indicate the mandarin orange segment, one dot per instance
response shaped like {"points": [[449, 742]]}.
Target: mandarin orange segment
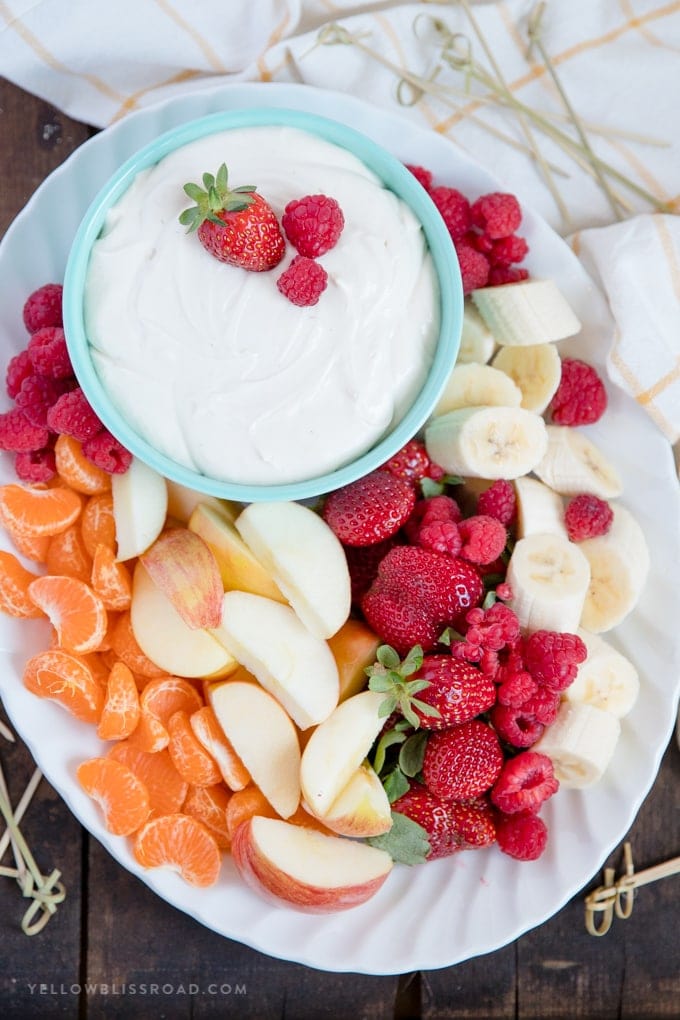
{"points": [[166, 695], [188, 755], [122, 797], [33, 512], [120, 714], [210, 734], [97, 524], [123, 644], [76, 613], [111, 580], [74, 468], [167, 790], [14, 584], [181, 843], [208, 804], [32, 547], [67, 679], [149, 734], [66, 554], [245, 804]]}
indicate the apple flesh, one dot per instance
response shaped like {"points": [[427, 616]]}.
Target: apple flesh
{"points": [[305, 869], [273, 644], [167, 640], [362, 809], [305, 559], [140, 506], [354, 648], [240, 570], [182, 501], [182, 565], [264, 738], [336, 749]]}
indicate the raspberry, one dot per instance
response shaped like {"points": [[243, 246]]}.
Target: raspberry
{"points": [[580, 398], [500, 275], [303, 282], [499, 501], [105, 452], [427, 511], [553, 658], [369, 510], [37, 395], [480, 242], [413, 463], [313, 225], [483, 537], [474, 267], [463, 761], [497, 214], [43, 307], [363, 562], [587, 516], [516, 689], [515, 726], [36, 465], [441, 537], [525, 782], [18, 434], [507, 250], [454, 209], [544, 705], [523, 835], [49, 354], [72, 415], [422, 175], [18, 369]]}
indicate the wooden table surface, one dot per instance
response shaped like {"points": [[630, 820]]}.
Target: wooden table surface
{"points": [[112, 932]]}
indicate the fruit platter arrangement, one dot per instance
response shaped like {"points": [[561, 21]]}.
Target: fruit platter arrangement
{"points": [[294, 713]]}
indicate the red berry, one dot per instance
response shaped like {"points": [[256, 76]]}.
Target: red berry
{"points": [[580, 398], [525, 782], [474, 267], [427, 511], [18, 369], [499, 501], [73, 415], [43, 307], [462, 762], [422, 175], [587, 516], [363, 562], [543, 705], [516, 725], [457, 690], [105, 452], [449, 827], [523, 835], [454, 209], [412, 463], [515, 689], [369, 510], [313, 224], [417, 594], [18, 434], [303, 282], [483, 538], [37, 395], [497, 214], [35, 466], [440, 536], [500, 275], [49, 353], [553, 658], [507, 250]]}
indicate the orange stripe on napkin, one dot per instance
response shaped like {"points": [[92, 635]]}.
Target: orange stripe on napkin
{"points": [[202, 43], [132, 101], [264, 72]]}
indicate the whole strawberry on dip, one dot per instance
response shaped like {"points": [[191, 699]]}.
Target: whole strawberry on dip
{"points": [[287, 332]]}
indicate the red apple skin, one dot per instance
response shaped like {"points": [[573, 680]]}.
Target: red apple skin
{"points": [[183, 566], [282, 889]]}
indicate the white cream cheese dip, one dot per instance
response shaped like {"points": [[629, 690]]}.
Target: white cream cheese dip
{"points": [[212, 365]]}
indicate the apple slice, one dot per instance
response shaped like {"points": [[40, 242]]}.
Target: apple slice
{"points": [[264, 738], [306, 869], [337, 747], [140, 505], [182, 501], [305, 559], [362, 809], [354, 647], [239, 568], [182, 565], [167, 640], [271, 641]]}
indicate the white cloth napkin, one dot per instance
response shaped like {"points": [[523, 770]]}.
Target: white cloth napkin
{"points": [[618, 62]]}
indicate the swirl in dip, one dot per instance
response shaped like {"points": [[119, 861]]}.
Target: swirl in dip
{"points": [[212, 365]]}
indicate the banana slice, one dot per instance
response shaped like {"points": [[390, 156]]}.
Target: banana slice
{"points": [[487, 442], [573, 464], [619, 565], [478, 386], [539, 509], [529, 312], [581, 743], [537, 371], [549, 577], [606, 680], [476, 340]]}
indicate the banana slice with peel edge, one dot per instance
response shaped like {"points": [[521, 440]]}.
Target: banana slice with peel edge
{"points": [[573, 464], [619, 566], [606, 680], [580, 743], [549, 577], [529, 312], [537, 371], [487, 442]]}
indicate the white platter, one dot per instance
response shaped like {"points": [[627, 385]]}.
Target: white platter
{"points": [[450, 910]]}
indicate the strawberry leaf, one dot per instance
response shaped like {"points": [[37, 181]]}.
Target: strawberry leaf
{"points": [[388, 657], [406, 842], [396, 784], [387, 740], [412, 753]]}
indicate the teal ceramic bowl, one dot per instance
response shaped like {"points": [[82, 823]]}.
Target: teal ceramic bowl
{"points": [[394, 176]]}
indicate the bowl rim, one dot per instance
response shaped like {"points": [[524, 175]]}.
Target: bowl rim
{"points": [[394, 175]]}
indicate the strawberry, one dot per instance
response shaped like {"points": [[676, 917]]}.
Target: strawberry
{"points": [[449, 826], [462, 762], [369, 510], [363, 562], [236, 225], [525, 782], [413, 463], [417, 594]]}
